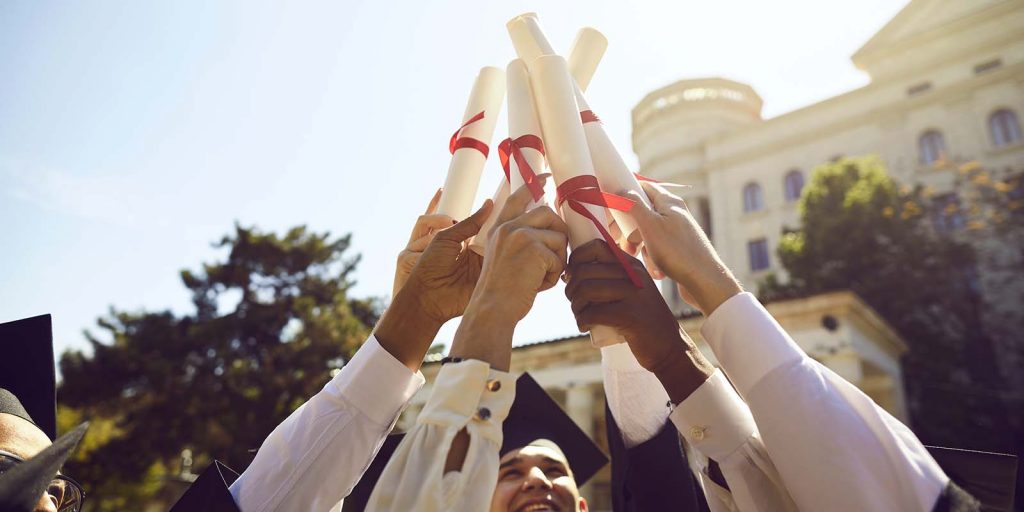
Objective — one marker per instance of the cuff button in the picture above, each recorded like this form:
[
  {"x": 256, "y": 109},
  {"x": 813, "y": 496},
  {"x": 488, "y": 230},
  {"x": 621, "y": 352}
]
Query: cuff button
[
  {"x": 493, "y": 385},
  {"x": 698, "y": 433},
  {"x": 483, "y": 414}
]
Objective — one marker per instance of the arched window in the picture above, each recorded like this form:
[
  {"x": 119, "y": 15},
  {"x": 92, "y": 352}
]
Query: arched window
[
  {"x": 794, "y": 184},
  {"x": 1004, "y": 127},
  {"x": 753, "y": 198},
  {"x": 931, "y": 146}
]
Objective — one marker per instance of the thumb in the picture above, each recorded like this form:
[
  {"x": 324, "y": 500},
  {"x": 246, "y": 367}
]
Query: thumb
[
  {"x": 661, "y": 198},
  {"x": 469, "y": 226}
]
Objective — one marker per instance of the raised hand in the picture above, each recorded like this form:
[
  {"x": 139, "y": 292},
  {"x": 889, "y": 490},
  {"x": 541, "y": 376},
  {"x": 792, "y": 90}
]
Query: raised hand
[
  {"x": 525, "y": 254},
  {"x": 601, "y": 293},
  {"x": 679, "y": 249},
  {"x": 427, "y": 225},
  {"x": 436, "y": 289}
]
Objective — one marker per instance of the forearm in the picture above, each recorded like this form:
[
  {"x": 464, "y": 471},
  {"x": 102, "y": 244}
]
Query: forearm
[
  {"x": 683, "y": 370},
  {"x": 405, "y": 331},
  {"x": 485, "y": 334}
]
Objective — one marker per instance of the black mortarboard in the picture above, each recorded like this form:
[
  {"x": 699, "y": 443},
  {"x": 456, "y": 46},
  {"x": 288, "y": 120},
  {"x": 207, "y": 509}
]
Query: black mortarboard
[
  {"x": 23, "y": 485},
  {"x": 534, "y": 415},
  {"x": 27, "y": 372},
  {"x": 210, "y": 492},
  {"x": 990, "y": 477}
]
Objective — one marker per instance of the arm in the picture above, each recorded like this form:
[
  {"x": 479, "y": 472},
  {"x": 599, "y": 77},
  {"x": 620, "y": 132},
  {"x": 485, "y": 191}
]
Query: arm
[
  {"x": 804, "y": 410},
  {"x": 337, "y": 432},
  {"x": 449, "y": 461},
  {"x": 807, "y": 415}
]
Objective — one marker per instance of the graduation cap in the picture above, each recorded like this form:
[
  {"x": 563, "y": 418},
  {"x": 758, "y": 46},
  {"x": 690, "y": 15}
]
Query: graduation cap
[
  {"x": 28, "y": 386},
  {"x": 534, "y": 415},
  {"x": 990, "y": 478},
  {"x": 23, "y": 485},
  {"x": 210, "y": 492}
]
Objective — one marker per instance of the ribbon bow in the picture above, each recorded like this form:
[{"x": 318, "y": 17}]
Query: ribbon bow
[
  {"x": 584, "y": 189},
  {"x": 458, "y": 142},
  {"x": 513, "y": 148}
]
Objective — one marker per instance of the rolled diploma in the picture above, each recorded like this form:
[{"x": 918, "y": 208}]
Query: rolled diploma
[
  {"x": 530, "y": 42},
  {"x": 479, "y": 242},
  {"x": 568, "y": 154},
  {"x": 467, "y": 163},
  {"x": 522, "y": 120},
  {"x": 584, "y": 55},
  {"x": 612, "y": 172}
]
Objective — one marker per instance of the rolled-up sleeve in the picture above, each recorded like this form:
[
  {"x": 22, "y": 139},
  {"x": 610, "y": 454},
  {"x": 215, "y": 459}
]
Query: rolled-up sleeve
[
  {"x": 467, "y": 395},
  {"x": 315, "y": 457},
  {"x": 718, "y": 425},
  {"x": 833, "y": 447}
]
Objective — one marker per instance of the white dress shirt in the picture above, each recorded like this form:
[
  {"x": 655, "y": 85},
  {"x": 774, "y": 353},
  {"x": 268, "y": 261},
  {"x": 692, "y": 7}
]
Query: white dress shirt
[
  {"x": 714, "y": 421},
  {"x": 467, "y": 394},
  {"x": 834, "y": 448},
  {"x": 315, "y": 457}
]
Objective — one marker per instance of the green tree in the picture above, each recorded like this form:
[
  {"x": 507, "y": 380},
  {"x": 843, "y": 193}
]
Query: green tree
[
  {"x": 271, "y": 322},
  {"x": 860, "y": 230}
]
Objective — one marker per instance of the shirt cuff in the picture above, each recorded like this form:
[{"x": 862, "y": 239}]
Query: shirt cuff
[
  {"x": 714, "y": 419},
  {"x": 747, "y": 341},
  {"x": 376, "y": 383},
  {"x": 470, "y": 390}
]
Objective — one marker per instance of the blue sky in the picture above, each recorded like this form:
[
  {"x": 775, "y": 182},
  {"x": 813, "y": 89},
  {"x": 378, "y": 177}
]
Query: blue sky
[{"x": 133, "y": 134}]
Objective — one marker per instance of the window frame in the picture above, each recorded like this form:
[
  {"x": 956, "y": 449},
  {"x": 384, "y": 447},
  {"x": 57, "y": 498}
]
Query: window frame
[
  {"x": 758, "y": 242},
  {"x": 1002, "y": 134},
  {"x": 753, "y": 197},
  {"x": 931, "y": 140},
  {"x": 791, "y": 195}
]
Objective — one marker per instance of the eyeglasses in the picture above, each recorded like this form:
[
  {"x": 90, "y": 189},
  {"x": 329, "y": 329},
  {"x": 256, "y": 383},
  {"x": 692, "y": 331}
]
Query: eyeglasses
[{"x": 65, "y": 493}]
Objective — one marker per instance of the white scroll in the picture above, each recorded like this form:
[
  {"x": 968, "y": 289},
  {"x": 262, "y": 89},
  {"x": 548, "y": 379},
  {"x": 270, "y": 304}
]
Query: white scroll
[
  {"x": 588, "y": 48},
  {"x": 568, "y": 154},
  {"x": 467, "y": 163}
]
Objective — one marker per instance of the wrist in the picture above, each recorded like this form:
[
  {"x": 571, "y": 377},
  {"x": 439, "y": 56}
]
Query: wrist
[
  {"x": 682, "y": 371},
  {"x": 710, "y": 292},
  {"x": 405, "y": 330},
  {"x": 485, "y": 334}
]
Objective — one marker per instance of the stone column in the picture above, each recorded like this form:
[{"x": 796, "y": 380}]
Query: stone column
[{"x": 579, "y": 405}]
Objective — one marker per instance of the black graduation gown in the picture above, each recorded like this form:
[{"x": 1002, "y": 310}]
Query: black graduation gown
[
  {"x": 209, "y": 493},
  {"x": 653, "y": 475}
]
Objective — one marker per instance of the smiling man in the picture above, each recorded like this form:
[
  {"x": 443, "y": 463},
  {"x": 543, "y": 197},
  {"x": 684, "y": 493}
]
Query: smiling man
[{"x": 536, "y": 477}]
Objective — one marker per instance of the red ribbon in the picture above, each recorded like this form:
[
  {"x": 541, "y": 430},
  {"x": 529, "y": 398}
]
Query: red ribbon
[
  {"x": 588, "y": 116},
  {"x": 641, "y": 177},
  {"x": 458, "y": 142},
  {"x": 514, "y": 148},
  {"x": 584, "y": 189}
]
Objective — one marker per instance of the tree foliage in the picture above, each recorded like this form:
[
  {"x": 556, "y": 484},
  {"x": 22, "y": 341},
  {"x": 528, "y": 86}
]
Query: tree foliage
[
  {"x": 861, "y": 230},
  {"x": 270, "y": 323}
]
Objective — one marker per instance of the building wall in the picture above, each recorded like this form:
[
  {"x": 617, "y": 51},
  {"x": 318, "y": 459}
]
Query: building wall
[{"x": 719, "y": 143}]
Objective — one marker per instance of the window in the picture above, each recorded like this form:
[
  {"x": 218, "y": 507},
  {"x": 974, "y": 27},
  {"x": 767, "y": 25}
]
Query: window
[
  {"x": 705, "y": 217},
  {"x": 1004, "y": 128},
  {"x": 946, "y": 214},
  {"x": 758, "y": 251},
  {"x": 753, "y": 198},
  {"x": 931, "y": 147},
  {"x": 794, "y": 184}
]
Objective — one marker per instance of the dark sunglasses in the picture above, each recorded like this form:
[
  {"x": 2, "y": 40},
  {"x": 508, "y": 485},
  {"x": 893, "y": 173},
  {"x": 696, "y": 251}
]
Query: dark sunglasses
[{"x": 65, "y": 493}]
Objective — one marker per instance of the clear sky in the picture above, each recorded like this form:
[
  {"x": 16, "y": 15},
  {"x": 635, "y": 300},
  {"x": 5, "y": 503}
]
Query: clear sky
[{"x": 133, "y": 134}]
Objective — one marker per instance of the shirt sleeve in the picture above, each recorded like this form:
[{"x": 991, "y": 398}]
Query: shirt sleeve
[
  {"x": 333, "y": 436},
  {"x": 718, "y": 425},
  {"x": 833, "y": 447},
  {"x": 636, "y": 398},
  {"x": 467, "y": 395}
]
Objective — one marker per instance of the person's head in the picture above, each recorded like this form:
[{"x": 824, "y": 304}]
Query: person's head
[
  {"x": 20, "y": 440},
  {"x": 536, "y": 477},
  {"x": 30, "y": 459}
]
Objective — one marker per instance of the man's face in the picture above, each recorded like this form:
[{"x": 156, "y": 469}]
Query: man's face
[
  {"x": 23, "y": 439},
  {"x": 536, "y": 478}
]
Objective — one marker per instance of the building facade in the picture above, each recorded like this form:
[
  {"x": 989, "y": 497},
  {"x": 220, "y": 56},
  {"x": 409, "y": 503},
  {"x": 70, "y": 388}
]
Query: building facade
[{"x": 947, "y": 87}]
